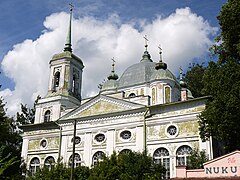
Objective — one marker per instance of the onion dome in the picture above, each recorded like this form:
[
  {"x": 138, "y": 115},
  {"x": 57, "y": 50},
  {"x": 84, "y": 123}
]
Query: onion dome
[
  {"x": 160, "y": 64},
  {"x": 113, "y": 76},
  {"x": 111, "y": 83},
  {"x": 161, "y": 72},
  {"x": 146, "y": 56}
]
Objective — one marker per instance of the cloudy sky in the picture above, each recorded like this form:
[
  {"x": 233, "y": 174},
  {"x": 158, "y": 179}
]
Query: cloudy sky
[{"x": 32, "y": 31}]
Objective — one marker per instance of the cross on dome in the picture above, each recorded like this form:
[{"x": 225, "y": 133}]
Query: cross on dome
[
  {"x": 146, "y": 40},
  {"x": 160, "y": 52},
  {"x": 113, "y": 64}
]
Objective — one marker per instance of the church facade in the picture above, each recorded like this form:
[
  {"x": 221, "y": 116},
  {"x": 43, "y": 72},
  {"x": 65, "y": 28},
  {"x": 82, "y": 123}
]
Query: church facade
[{"x": 146, "y": 108}]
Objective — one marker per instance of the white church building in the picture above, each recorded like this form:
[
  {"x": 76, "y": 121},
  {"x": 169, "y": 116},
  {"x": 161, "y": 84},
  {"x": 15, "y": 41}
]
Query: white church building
[{"x": 146, "y": 108}]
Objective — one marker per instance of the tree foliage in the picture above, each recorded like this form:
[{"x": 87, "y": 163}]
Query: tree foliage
[
  {"x": 27, "y": 115},
  {"x": 196, "y": 159},
  {"x": 10, "y": 146},
  {"x": 126, "y": 166},
  {"x": 221, "y": 118},
  {"x": 129, "y": 166},
  {"x": 6, "y": 161},
  {"x": 60, "y": 172},
  {"x": 194, "y": 79},
  {"x": 228, "y": 42}
]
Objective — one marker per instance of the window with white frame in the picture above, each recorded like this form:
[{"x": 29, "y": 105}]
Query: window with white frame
[
  {"x": 125, "y": 151},
  {"x": 167, "y": 94},
  {"x": 98, "y": 156},
  {"x": 77, "y": 160},
  {"x": 126, "y": 135},
  {"x": 34, "y": 165},
  {"x": 49, "y": 162},
  {"x": 171, "y": 130},
  {"x": 161, "y": 156},
  {"x": 182, "y": 153},
  {"x": 99, "y": 138},
  {"x": 56, "y": 80},
  {"x": 43, "y": 143},
  {"x": 47, "y": 116}
]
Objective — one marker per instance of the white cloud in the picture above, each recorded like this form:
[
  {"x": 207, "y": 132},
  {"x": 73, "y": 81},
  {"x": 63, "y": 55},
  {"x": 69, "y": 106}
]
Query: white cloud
[{"x": 183, "y": 36}]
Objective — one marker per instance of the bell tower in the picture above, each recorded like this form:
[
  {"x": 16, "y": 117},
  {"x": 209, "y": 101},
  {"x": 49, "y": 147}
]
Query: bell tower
[{"x": 65, "y": 83}]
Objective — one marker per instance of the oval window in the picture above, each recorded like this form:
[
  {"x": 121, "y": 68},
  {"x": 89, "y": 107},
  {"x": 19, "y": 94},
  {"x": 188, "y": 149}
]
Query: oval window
[
  {"x": 126, "y": 134},
  {"x": 43, "y": 143},
  {"x": 100, "y": 137},
  {"x": 77, "y": 140}
]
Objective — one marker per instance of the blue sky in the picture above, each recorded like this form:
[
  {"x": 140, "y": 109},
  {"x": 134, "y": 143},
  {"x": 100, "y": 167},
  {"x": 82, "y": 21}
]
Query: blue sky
[{"x": 24, "y": 19}]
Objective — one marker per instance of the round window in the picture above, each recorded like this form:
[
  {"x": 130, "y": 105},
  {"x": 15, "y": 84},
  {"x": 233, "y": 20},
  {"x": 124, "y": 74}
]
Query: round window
[
  {"x": 125, "y": 134},
  {"x": 100, "y": 137},
  {"x": 172, "y": 130},
  {"x": 77, "y": 140},
  {"x": 43, "y": 143}
]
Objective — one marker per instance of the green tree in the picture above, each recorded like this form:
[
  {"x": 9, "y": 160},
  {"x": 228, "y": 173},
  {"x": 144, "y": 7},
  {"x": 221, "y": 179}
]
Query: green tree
[
  {"x": 194, "y": 79},
  {"x": 196, "y": 159},
  {"x": 60, "y": 172},
  {"x": 10, "y": 143},
  {"x": 228, "y": 42},
  {"x": 221, "y": 118},
  {"x": 127, "y": 166},
  {"x": 6, "y": 162},
  {"x": 27, "y": 115}
]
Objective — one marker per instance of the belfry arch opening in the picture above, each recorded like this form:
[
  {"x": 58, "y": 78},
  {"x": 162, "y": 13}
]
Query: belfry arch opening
[{"x": 56, "y": 80}]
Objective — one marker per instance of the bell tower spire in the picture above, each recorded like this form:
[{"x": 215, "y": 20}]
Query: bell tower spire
[
  {"x": 65, "y": 83},
  {"x": 68, "y": 45}
]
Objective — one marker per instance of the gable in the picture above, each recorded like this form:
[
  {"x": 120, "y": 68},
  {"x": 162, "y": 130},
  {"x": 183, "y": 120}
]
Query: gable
[{"x": 101, "y": 105}]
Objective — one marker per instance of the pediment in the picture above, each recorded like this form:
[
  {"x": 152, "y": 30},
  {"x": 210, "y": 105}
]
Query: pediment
[{"x": 101, "y": 105}]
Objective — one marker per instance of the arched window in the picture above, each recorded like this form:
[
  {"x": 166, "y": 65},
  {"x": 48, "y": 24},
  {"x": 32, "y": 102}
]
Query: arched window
[
  {"x": 98, "y": 156},
  {"x": 153, "y": 96},
  {"x": 56, "y": 80},
  {"x": 74, "y": 84},
  {"x": 49, "y": 162},
  {"x": 182, "y": 153},
  {"x": 167, "y": 94},
  {"x": 47, "y": 116},
  {"x": 34, "y": 165},
  {"x": 77, "y": 160},
  {"x": 132, "y": 95},
  {"x": 125, "y": 151},
  {"x": 161, "y": 156}
]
